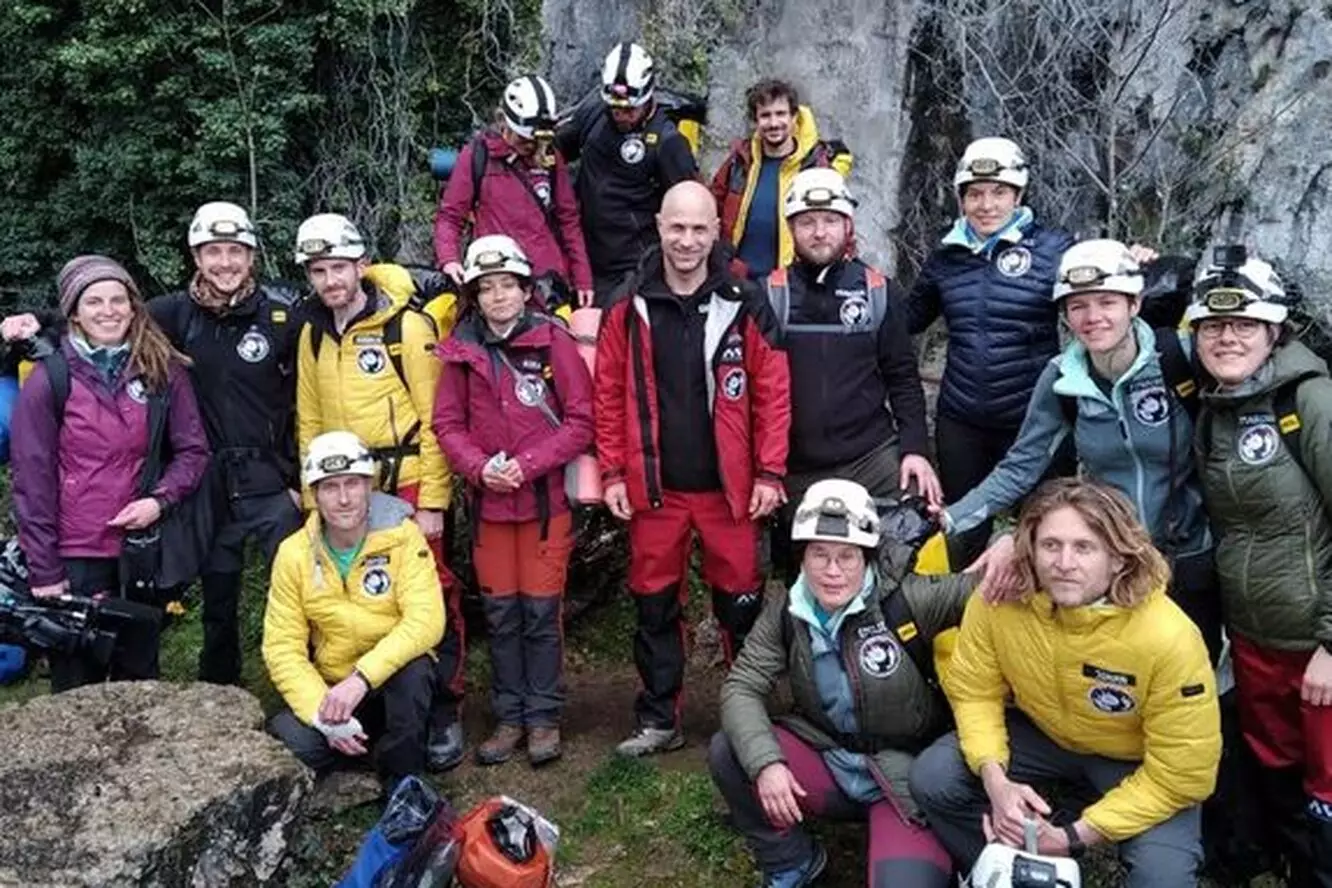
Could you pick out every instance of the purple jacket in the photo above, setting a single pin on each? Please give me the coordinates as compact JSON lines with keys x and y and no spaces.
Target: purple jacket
{"x":70,"y":479}
{"x":480,"y":409}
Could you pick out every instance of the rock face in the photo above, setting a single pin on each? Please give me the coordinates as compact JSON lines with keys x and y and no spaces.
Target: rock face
{"x":144,"y":784}
{"x":1179,"y":122}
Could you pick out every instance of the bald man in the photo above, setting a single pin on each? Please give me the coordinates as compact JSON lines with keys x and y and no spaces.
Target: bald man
{"x":692,"y":413}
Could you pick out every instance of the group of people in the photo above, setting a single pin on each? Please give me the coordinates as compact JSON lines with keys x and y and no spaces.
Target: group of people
{"x":752,"y":373}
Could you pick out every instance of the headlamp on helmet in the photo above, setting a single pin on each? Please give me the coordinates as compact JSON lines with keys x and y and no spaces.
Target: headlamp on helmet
{"x":315,"y":246}
{"x":1085,"y":275}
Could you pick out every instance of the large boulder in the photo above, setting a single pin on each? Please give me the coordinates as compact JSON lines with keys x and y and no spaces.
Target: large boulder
{"x":144,"y":784}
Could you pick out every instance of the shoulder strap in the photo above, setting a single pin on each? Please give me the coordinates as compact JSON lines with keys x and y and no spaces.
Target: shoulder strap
{"x":153,"y":466}
{"x":393,"y":345}
{"x":1177,"y":370}
{"x":1288,"y":420}
{"x":57,"y":375}
{"x":543,"y":405}
{"x":480,"y":157}
{"x":316,"y":338}
{"x":779,"y":296}
{"x":897,"y":613}
{"x":738,"y":173}
{"x":1068,"y":405}
{"x":876,"y":285}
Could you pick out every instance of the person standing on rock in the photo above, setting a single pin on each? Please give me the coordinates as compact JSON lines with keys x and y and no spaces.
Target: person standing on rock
{"x":630,"y":153}
{"x":366,"y":364}
{"x":514,"y":408}
{"x":845,"y":335}
{"x":750,"y":183}
{"x":692,"y":423}
{"x":354,"y":613}
{"x":512,"y":180}
{"x":86,"y":479}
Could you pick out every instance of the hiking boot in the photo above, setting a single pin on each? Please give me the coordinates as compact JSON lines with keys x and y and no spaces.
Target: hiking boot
{"x":799,"y":876}
{"x":543,"y":746}
{"x":650,"y":741}
{"x":499,"y":748}
{"x":444,"y":752}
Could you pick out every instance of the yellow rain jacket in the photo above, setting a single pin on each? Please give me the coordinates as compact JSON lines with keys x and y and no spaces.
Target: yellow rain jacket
{"x":1132,"y":684}
{"x":353,"y":385}
{"x":388,"y":612}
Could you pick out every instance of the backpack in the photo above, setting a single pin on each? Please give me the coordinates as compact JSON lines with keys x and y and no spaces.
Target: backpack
{"x":779,"y":297}
{"x":481,"y":158}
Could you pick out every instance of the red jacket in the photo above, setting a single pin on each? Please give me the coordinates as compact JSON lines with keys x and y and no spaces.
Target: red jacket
{"x":507,"y":206}
{"x":749,"y":384}
{"x":479,"y":411}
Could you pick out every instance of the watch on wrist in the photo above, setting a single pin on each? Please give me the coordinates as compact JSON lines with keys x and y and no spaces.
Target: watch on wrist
{"x":1076,"y":848}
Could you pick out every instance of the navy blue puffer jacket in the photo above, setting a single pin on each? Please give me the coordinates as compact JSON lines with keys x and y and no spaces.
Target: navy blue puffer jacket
{"x":1003,"y":326}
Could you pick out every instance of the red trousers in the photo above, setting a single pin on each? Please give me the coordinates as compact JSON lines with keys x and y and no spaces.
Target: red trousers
{"x":1282,"y":729}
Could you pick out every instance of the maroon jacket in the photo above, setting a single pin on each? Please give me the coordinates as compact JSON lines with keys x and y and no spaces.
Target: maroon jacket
{"x":481,"y":409}
{"x":507,"y":206}
{"x":70,"y":479}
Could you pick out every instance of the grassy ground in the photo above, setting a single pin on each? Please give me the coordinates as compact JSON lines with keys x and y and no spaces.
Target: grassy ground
{"x":650,"y":824}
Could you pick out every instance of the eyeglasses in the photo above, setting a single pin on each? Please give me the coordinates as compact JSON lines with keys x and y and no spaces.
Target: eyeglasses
{"x":846,"y":560}
{"x":1243,"y":328}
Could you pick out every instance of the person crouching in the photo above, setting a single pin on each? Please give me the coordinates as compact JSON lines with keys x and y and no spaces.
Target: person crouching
{"x":357,"y":587}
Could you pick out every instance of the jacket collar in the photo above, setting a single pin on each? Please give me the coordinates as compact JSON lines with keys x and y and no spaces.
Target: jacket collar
{"x":802,"y":604}
{"x":1081,"y":620}
{"x":963,"y":235}
{"x":1075,"y":373}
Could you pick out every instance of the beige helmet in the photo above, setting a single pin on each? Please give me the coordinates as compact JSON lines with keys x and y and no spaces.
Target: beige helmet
{"x":328,"y":236}
{"x":1103,"y":266}
{"x":819,"y":188}
{"x":837,"y":511}
{"x":336,"y":453}
{"x":992,"y":159}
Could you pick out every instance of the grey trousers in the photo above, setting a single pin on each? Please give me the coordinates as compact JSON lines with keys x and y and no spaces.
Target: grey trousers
{"x":1168,"y":855}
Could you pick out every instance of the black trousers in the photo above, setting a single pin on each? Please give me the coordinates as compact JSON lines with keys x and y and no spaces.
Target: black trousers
{"x":394,"y":716}
{"x":134,"y":656}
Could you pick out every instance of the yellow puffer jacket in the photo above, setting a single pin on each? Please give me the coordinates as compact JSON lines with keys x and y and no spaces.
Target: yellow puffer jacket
{"x":388,"y":612}
{"x":352,"y":385}
{"x":1132,"y":684}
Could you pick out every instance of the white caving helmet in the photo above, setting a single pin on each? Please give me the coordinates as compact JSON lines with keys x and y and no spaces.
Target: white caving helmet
{"x":495,"y":253}
{"x":1000,"y":866}
{"x":627,"y":77}
{"x":819,"y":188}
{"x":336,"y":453}
{"x":328,"y":236}
{"x":529,"y":107}
{"x":991,"y":160}
{"x":1248,"y":288}
{"x":837,"y":511}
{"x":1102,"y":266}
{"x":221,"y":221}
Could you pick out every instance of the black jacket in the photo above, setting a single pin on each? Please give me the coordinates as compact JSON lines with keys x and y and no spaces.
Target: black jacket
{"x":845,"y":369}
{"x":621,"y":180}
{"x":245,"y":381}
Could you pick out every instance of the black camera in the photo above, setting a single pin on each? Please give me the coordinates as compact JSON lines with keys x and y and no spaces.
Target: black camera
{"x":1029,"y":873}
{"x":1230,"y":256}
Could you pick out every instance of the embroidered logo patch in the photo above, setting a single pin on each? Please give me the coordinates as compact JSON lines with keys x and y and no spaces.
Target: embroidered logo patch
{"x":1115,"y":701}
{"x":253,"y":347}
{"x":1151,"y":405}
{"x":529,"y":390}
{"x":733,"y":384}
{"x":1257,"y":444}
{"x":854,"y":312}
{"x":880,"y":656}
{"x":1014,"y":262}
{"x":376,"y":582}
{"x":371,"y":360}
{"x":632,"y":150}
{"x":137,"y":391}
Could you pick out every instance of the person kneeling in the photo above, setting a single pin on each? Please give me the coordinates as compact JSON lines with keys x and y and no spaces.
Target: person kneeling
{"x":854,"y":636}
{"x":1112,"y":692}
{"x":357,"y":585}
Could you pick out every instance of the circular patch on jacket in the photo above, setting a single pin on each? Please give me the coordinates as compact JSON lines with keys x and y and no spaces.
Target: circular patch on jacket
{"x":376,"y":582}
{"x":542,"y":189}
{"x":880,"y":656}
{"x":1257,"y":444}
{"x":1151,"y":405}
{"x":371,"y":360}
{"x":855,"y":311}
{"x":1014,"y":262}
{"x":137,"y":391}
{"x":253,"y":347}
{"x":1112,"y":700}
{"x":632,"y":150}
{"x":530,"y":390}
{"x":733,"y":384}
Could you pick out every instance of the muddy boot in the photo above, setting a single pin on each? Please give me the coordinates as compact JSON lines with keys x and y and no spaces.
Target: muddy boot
{"x":543,"y":746}
{"x":501,"y":745}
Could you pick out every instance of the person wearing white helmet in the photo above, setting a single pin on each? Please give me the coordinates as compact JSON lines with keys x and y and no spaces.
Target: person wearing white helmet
{"x":1125,"y":396}
{"x":512,"y":180}
{"x":851,"y":358}
{"x":514,"y":408}
{"x":1093,"y":678}
{"x":854,"y":637}
{"x":630,"y":154}
{"x":1263,"y":445}
{"x":354,"y":612}
{"x":366,"y":364}
{"x":750,"y":183}
{"x":991,"y":279}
